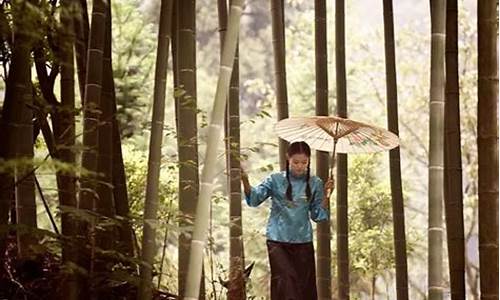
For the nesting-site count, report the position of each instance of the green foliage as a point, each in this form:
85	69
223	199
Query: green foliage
29	16
370	226
134	44
371	244
136	163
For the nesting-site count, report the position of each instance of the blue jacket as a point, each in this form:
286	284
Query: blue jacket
289	220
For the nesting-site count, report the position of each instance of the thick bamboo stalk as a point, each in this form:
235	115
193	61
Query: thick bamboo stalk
453	198
120	196
323	252
64	135
394	157
126	241
236	286
82	28
278	32
209	171
92	102
487	143
154	160
6	179
436	151
187	125
91	106
20	126
342	219
105	206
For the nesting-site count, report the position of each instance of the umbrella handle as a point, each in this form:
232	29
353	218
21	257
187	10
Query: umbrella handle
335	140
332	164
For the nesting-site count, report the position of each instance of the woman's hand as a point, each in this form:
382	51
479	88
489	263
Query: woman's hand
328	189
244	175
244	179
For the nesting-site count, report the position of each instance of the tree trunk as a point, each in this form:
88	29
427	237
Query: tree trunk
342	220
6	178
20	127
487	143
154	160
126	241
236	289
436	138
373	287
209	171
398	213
81	22
64	135
452	160
236	286
92	103
105	232
6	195
278	32
7	192
323	258
126	235
187	140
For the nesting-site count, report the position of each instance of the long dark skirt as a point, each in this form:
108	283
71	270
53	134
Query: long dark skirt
293	271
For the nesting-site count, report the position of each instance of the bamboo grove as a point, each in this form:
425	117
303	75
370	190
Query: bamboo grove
62	111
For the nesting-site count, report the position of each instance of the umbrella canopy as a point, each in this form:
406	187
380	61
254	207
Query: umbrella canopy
327	133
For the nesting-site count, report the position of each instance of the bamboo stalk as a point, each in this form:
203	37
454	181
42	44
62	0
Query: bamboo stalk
208	174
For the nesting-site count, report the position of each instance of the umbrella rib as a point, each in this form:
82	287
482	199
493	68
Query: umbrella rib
327	130
288	129
364	147
369	136
348	131
294	128
377	145
293	131
298	132
323	143
305	130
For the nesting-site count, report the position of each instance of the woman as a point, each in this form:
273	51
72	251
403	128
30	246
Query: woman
296	197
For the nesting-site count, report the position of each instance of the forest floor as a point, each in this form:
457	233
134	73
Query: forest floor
42	278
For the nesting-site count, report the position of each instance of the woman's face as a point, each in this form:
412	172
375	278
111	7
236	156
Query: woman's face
298	164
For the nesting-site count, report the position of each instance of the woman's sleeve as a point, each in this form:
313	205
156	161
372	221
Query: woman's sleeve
318	213
260	192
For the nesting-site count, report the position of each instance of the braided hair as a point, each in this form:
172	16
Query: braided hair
298	148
